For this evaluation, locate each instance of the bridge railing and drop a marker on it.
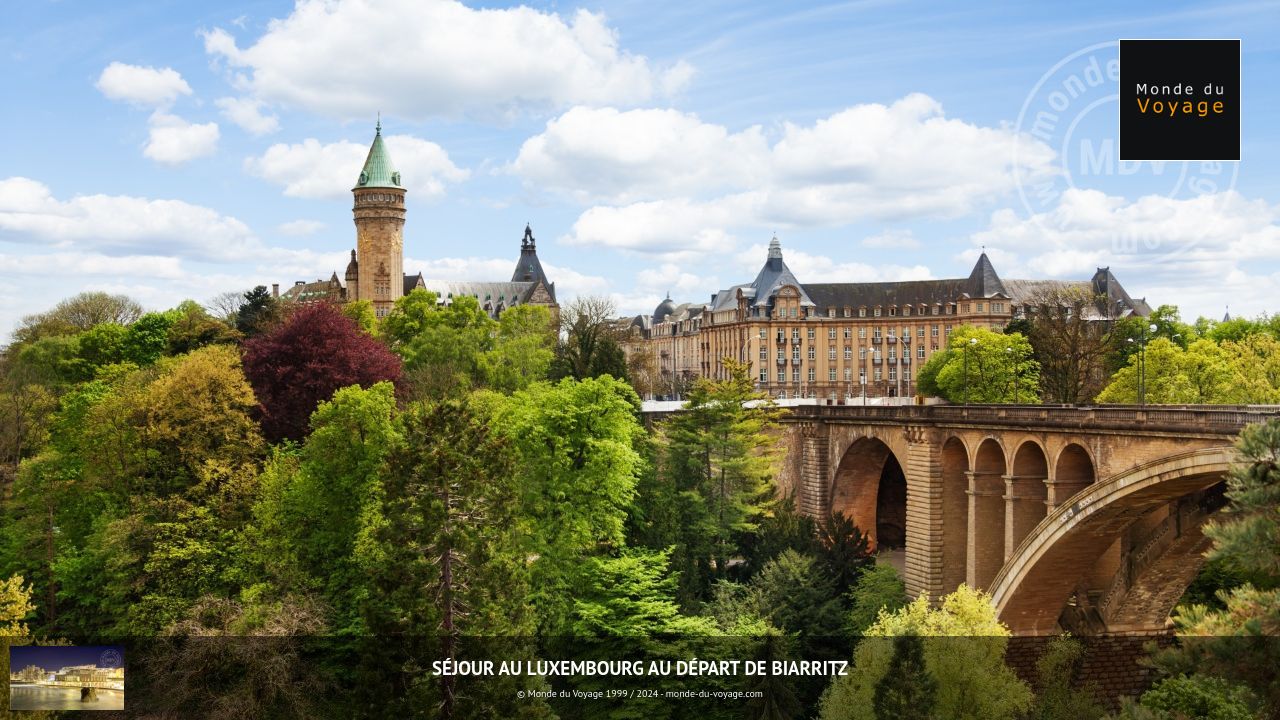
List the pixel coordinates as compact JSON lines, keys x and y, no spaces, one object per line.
{"x":1211,"y":418}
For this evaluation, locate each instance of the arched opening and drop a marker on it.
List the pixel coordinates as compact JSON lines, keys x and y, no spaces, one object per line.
{"x":871,"y":489}
{"x":1026,"y":495}
{"x":986,"y":514}
{"x":955,"y":513}
{"x":1071,"y":473}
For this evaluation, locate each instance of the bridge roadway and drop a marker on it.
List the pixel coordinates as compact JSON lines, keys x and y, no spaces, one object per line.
{"x":1079,"y":518}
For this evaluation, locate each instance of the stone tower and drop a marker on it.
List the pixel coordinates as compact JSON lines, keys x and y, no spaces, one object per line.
{"x":378,"y":265}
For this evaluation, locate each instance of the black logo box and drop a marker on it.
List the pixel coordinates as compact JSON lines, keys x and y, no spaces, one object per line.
{"x":1160,"y":77}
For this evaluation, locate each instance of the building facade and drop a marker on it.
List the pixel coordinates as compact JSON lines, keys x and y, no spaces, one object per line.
{"x":376,"y":270}
{"x":835,"y":340}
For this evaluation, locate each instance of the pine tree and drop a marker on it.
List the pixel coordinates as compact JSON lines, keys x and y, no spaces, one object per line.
{"x":720,"y":458}
{"x":907,"y":689}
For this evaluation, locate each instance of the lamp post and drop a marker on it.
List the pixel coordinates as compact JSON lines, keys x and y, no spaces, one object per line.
{"x":972,"y":342}
{"x":1142,"y":362}
{"x":1013,"y":374}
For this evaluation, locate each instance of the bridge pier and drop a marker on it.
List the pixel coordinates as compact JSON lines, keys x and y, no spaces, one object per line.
{"x":926,"y":524}
{"x":986,"y":526}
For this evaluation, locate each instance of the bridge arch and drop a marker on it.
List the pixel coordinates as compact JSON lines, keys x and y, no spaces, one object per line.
{"x":955,"y":512}
{"x":870,"y":488}
{"x":1073,"y":470}
{"x":1026,"y":493}
{"x":986,"y":512}
{"x":1033,"y":587}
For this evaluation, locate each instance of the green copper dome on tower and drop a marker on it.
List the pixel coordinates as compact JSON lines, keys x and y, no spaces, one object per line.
{"x":378,"y":171}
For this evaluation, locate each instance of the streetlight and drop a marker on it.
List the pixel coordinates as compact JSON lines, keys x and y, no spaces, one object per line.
{"x":1013,"y":375}
{"x":972,"y":342}
{"x":1142,"y":362}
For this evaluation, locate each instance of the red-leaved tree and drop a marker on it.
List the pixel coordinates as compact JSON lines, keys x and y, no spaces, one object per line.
{"x":301,"y":362}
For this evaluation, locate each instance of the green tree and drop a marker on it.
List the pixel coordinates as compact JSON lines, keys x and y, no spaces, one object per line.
{"x":575,"y":476}
{"x":843,"y":551}
{"x":147,"y":338}
{"x":878,"y":589}
{"x":257,"y":311}
{"x":192,"y":328}
{"x":442,"y":345}
{"x":78,"y":313}
{"x":796,"y":595}
{"x":964,"y":647}
{"x":590,"y":347}
{"x":982,"y":366}
{"x":522,"y":349}
{"x":1237,"y":643}
{"x":1255,"y":367}
{"x":361,"y":311}
{"x":907,"y":689}
{"x":630,"y":595}
{"x":1055,"y":698}
{"x":1196,"y":698}
{"x":101,"y":345}
{"x":720,"y":458}
{"x":1166,"y":377}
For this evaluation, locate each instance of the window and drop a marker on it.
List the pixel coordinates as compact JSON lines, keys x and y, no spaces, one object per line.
{"x":893,"y":354}
{"x":831,"y":312}
{"x":948,"y":333}
{"x":979,"y":307}
{"x":920,"y":331}
{"x":877,"y":312}
{"x":795,"y":375}
{"x":966,"y":308}
{"x":811,"y":333}
{"x":893,"y":374}
{"x":920,"y":351}
{"x":935,"y":347}
{"x":906,"y":375}
{"x":793,"y":311}
{"x":795,"y":334}
{"x":831,"y":353}
{"x":893,"y":310}
{"x":848,"y":353}
{"x":782,"y":376}
{"x":848,"y":333}
{"x":879,"y":375}
{"x":795,"y":353}
{"x":934,"y":331}
{"x":875,"y":334}
{"x":862,"y":333}
{"x":813,"y":352}
{"x":764,"y":353}
{"x":862,"y":353}
{"x":812,"y":375}
{"x":831,"y":375}
{"x":997,"y":307}
{"x":862,"y":376}
{"x":848,"y":373}
{"x":862,"y":312}
{"x":831,"y":333}
{"x":764,"y":375}
{"x":764,"y":334}
{"x":906,"y":310}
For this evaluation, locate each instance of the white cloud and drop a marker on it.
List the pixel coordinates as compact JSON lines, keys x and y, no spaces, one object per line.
{"x":248,"y":114}
{"x":142,"y":85}
{"x":619,"y":157}
{"x":118,"y":224}
{"x":674,"y":279}
{"x":300,"y":227}
{"x":97,"y":264}
{"x":810,"y":268}
{"x":672,"y":230}
{"x":174,"y":141}
{"x":665,"y":179}
{"x":347,"y":58}
{"x":1199,"y":252}
{"x":892,"y":240}
{"x":313,"y":170}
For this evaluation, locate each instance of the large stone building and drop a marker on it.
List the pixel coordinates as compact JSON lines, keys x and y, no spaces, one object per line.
{"x":376,"y":271}
{"x":836,"y":340}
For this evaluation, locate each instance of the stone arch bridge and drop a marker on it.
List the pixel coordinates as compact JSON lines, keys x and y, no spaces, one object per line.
{"x":1086,"y":519}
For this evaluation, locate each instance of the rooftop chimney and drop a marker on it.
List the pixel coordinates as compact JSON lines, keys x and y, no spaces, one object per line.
{"x":275,"y":289}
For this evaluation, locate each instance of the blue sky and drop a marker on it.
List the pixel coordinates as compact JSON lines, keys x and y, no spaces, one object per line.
{"x":170,"y":150}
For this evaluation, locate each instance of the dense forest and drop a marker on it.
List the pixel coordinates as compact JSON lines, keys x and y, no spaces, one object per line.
{"x":290,"y":511}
